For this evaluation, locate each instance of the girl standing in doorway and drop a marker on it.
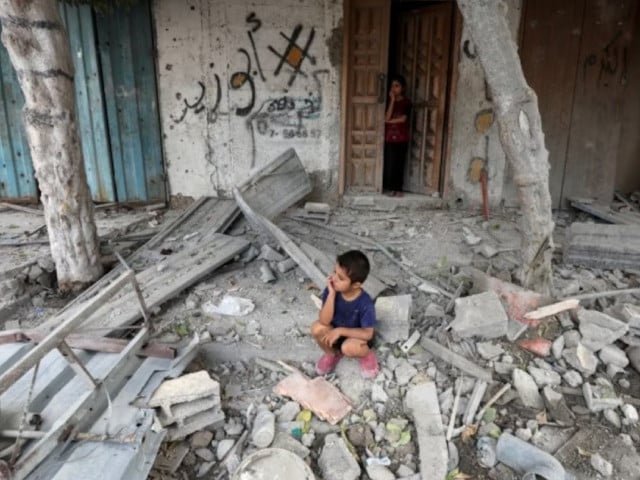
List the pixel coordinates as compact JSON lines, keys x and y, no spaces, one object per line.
{"x":396,"y":136}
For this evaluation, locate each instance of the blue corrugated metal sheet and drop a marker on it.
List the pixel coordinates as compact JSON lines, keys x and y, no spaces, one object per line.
{"x":17,"y":180}
{"x":90,"y":101}
{"x":125,"y":43}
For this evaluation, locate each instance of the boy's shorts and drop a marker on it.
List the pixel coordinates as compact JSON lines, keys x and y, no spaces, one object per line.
{"x":337,"y":346}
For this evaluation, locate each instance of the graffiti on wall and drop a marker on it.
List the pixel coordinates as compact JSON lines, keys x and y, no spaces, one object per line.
{"x":610,"y":62}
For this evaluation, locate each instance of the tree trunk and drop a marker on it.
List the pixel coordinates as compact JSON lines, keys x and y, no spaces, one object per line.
{"x":38,"y":45}
{"x":518,"y":116}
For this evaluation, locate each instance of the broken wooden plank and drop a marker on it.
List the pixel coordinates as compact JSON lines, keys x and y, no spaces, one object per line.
{"x":20,"y":208}
{"x":458,"y":361}
{"x":553,"y":309}
{"x":604,"y":212}
{"x":372,"y":285}
{"x":602,"y":246}
{"x":288,"y":245}
{"x":90,"y":343}
{"x":160,"y":283}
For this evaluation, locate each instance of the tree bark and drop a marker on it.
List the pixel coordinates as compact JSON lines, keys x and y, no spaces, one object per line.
{"x":518,"y":116}
{"x":38,"y":45}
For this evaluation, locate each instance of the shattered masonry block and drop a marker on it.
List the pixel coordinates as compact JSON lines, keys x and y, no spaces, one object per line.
{"x":421,"y":401}
{"x":286,"y":265}
{"x":182,"y":411}
{"x":316,"y":207}
{"x":393,"y":315}
{"x":209,"y":418}
{"x":336,"y":462}
{"x":186,"y":388}
{"x":599,"y":329}
{"x":270,"y":254}
{"x":481,"y":315}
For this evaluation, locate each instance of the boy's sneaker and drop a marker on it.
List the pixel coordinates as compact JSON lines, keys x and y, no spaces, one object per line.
{"x":327,"y":363}
{"x":369,"y":365}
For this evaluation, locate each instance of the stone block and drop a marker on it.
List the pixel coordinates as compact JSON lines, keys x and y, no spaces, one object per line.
{"x":270,"y":254}
{"x":421,"y":401}
{"x":544,"y":377}
{"x":612,"y":355}
{"x":186,"y":388}
{"x":527,"y":389}
{"x":393,"y":315}
{"x":209,"y":418}
{"x":336,"y":462}
{"x":181,"y":411}
{"x":286,"y":265}
{"x":581,"y":358}
{"x":599,"y":329}
{"x":481,"y":315}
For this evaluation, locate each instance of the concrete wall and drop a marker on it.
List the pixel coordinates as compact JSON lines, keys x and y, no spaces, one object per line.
{"x":240,"y":82}
{"x":475,"y":137}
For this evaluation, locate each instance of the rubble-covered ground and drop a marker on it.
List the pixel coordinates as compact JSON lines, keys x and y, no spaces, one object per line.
{"x":577,"y":401}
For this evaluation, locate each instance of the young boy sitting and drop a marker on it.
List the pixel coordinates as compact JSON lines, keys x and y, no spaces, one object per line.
{"x":347,"y":317}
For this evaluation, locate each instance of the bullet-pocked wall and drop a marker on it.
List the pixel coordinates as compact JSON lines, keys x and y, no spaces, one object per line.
{"x":240,"y":82}
{"x":475,"y":143}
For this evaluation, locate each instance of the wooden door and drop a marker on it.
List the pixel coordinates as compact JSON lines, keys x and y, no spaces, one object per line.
{"x":368,"y":37}
{"x":575,"y":57}
{"x":424,"y":62}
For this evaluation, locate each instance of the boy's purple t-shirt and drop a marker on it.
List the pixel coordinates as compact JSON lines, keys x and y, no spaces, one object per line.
{"x":358,"y":313}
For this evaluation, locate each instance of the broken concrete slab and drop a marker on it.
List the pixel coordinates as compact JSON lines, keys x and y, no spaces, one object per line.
{"x":317,"y":395}
{"x":599,"y":329}
{"x":393,"y":316}
{"x":458,"y":361}
{"x":186,"y":388}
{"x":336,"y":462}
{"x":596,"y":245}
{"x":480,"y":315}
{"x":182,"y":411}
{"x":421,"y":401}
{"x":527,"y":389}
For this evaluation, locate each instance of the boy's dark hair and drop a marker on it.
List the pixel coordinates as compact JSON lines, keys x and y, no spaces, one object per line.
{"x":356,"y":265}
{"x":400,"y":79}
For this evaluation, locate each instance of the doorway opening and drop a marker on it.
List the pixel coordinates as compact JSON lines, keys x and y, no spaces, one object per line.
{"x":415,"y":39}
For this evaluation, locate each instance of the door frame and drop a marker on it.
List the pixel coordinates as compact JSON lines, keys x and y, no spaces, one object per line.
{"x":456,"y":34}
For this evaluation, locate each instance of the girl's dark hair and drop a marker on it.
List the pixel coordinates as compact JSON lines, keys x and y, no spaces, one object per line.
{"x":400,"y":79}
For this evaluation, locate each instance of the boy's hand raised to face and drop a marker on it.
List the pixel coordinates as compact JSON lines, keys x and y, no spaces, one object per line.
{"x":330,"y":286}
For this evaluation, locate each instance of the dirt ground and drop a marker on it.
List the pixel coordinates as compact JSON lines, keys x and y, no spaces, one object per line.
{"x":433,"y":244}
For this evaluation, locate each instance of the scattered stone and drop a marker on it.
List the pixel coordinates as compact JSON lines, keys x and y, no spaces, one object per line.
{"x":223,"y":447}
{"x":544,"y":377}
{"x":600,"y":465}
{"x":527,"y":389}
{"x":286,"y":265}
{"x":631,"y":314}
{"x":557,"y":407}
{"x":393,"y":316}
{"x":524,"y":434}
{"x":489,"y":350}
{"x":266,"y":274}
{"x":571,"y":338}
{"x":480,"y":315}
{"x":378,"y":393}
{"x":557,"y":346}
{"x":251,"y":253}
{"x":573,"y":378}
{"x":308,"y":439}
{"x":630,"y":414}
{"x":489,"y":430}
{"x":612,"y":355}
{"x":599,"y":329}
{"x":288,"y":412}
{"x":633,"y":354}
{"x":335,"y":461}
{"x":379,"y":472}
{"x":287,"y":442}
{"x":201,"y":439}
{"x":600,"y":396}
{"x":270,"y":254}
{"x":205,"y":454}
{"x":581,"y":358}
{"x":186,"y":388}
{"x":613,"y":418}
{"x":470,"y":238}
{"x":404,"y":372}
{"x":487,"y":251}
{"x":487,"y":456}
{"x":550,"y":439}
{"x":624,"y":383}
{"x":263,"y":427}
